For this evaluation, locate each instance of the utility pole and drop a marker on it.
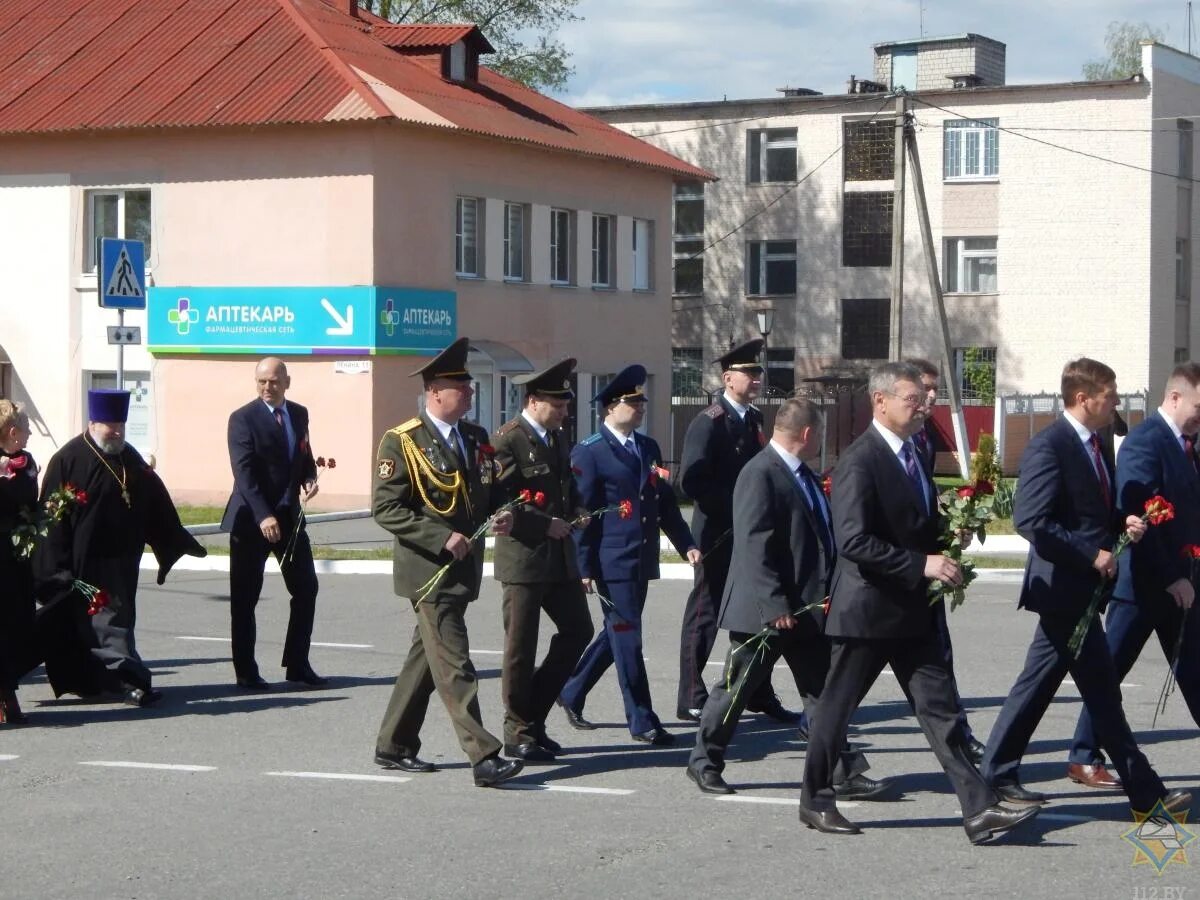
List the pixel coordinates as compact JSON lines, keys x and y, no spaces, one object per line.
{"x":935,"y":291}
{"x":896,"y":309}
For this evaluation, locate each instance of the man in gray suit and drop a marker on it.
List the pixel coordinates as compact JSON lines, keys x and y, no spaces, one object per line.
{"x":782,"y":559}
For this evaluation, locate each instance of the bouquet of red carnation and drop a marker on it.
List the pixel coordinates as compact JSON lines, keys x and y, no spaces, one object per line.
{"x":1155,"y":511}
{"x":97,"y":598}
{"x":35,"y":523}
{"x":966,"y":512}
{"x":290,"y":550}
{"x":1192,"y":554}
{"x":623,"y":509}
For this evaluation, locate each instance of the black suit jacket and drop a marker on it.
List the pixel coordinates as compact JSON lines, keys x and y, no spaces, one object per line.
{"x":883,"y":534}
{"x":265,"y":481}
{"x":780,"y":560}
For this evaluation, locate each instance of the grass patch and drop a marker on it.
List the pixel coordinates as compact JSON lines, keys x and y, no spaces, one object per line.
{"x":199,"y":515}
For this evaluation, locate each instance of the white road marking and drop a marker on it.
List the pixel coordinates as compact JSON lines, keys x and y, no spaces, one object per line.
{"x":489,"y":652}
{"x":233,"y":698}
{"x":195,"y":637}
{"x":780,"y":801}
{"x":1065,"y":817}
{"x":8,"y":757}
{"x":341,"y":776}
{"x":125,"y":764}
{"x":568,"y":789}
{"x":225,"y":640}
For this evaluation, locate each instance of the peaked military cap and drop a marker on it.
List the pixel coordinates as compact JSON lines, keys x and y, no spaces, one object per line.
{"x":450,"y":363}
{"x":744,"y":357}
{"x":626,"y":385}
{"x":553,"y":381}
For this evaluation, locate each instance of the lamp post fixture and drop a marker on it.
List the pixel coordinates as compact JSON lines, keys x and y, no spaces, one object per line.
{"x":766,"y":320}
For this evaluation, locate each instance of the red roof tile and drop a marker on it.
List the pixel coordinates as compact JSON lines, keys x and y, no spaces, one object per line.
{"x":102,"y":64}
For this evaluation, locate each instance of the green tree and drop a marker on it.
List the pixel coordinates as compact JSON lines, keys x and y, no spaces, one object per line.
{"x":522,"y":31}
{"x":1122,"y":42}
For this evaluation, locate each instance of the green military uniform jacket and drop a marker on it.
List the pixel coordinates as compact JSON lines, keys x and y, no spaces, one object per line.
{"x":526,"y":463}
{"x":422,"y":496}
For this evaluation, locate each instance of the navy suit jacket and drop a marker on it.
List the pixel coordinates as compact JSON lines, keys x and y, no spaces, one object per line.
{"x":265,"y":481}
{"x":616,"y":549}
{"x":1153,"y":462}
{"x":780,"y":562}
{"x":1059,"y":509}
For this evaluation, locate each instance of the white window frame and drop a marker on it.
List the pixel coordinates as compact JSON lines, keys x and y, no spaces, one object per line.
{"x":642,"y":250}
{"x":957,"y":257}
{"x":561,"y":239}
{"x":89,"y":243}
{"x":757,"y":138}
{"x":602,"y":250}
{"x":971,"y":150}
{"x":516,"y":265}
{"x":763,"y":259}
{"x":463,"y":239}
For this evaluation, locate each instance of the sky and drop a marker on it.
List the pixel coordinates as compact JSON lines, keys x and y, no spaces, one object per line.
{"x":651,"y":51}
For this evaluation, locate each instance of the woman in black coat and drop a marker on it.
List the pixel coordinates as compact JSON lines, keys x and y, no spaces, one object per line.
{"x":18,"y":492}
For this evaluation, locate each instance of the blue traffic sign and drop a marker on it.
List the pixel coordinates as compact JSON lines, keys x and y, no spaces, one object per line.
{"x":121,"y":280}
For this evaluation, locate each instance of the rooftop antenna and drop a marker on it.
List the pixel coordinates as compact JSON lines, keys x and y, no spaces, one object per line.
{"x":921,"y":7}
{"x":1189,"y":26}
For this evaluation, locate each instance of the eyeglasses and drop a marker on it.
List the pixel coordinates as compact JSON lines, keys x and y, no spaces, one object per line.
{"x":909,"y":399}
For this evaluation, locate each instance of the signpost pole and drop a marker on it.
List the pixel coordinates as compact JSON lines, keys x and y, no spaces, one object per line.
{"x":120,"y":352}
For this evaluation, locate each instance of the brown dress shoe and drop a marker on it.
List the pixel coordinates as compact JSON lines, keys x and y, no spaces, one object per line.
{"x":1092,"y":776}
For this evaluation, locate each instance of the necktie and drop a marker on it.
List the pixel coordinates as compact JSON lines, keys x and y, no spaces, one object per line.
{"x":279,"y":417}
{"x":921,"y":442}
{"x":552,"y":440}
{"x":909,"y":457}
{"x":809,"y":481}
{"x":1189,"y":449}
{"x":1101,"y":469}
{"x":456,"y":447}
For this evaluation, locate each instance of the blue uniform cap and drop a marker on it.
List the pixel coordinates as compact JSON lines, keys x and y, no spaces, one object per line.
{"x":108,"y":406}
{"x":626,"y":384}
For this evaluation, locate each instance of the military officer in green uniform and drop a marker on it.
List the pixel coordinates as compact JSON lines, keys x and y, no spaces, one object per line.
{"x":435,"y":485}
{"x":536,"y":562}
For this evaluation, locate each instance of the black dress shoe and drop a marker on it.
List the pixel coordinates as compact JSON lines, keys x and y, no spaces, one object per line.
{"x":691,"y":714}
{"x":545,"y":741}
{"x":530,"y":751}
{"x":576,"y":720}
{"x":975,"y":750}
{"x":995,"y":821}
{"x":254,"y":683}
{"x":494,"y":770}
{"x":1015,"y":792}
{"x":710,"y":781}
{"x":828,"y":821}
{"x":403,"y":763}
{"x":773,"y":709}
{"x":140,"y":697}
{"x":307,"y":676}
{"x":860,"y":787}
{"x":656,"y":736}
{"x":1177,"y":801}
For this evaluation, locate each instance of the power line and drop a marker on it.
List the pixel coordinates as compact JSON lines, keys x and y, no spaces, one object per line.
{"x":983,"y":123}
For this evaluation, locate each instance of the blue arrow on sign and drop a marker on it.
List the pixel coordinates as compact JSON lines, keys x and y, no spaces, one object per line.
{"x":122,"y":277}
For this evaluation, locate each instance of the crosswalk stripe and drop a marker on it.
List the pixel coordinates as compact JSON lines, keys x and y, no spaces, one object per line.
{"x":341,"y":776}
{"x":126,"y":764}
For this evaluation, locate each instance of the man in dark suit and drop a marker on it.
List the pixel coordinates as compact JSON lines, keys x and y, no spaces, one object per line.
{"x":927,"y":442}
{"x":536,"y":562}
{"x":719,"y":442}
{"x":619,"y":556}
{"x":782,"y":560}
{"x":1154,"y":589}
{"x":886,"y":526}
{"x":272,"y":461}
{"x":435,"y":486}
{"x":1065,"y":508}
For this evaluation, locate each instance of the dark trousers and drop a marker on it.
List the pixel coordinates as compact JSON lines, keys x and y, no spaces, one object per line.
{"x":943,"y":632}
{"x":16,"y":617}
{"x":114,"y":646}
{"x":918,"y":664}
{"x":248,"y":552}
{"x":620,"y":642}
{"x":1046,"y":664}
{"x":1128,"y":626}
{"x":439,"y":658}
{"x":746,"y":667}
{"x":698,"y":635}
{"x":529,"y":690}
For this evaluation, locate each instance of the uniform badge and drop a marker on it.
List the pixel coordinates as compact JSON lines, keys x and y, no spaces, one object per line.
{"x":532,"y":454}
{"x":435,"y":459}
{"x":387,"y":468}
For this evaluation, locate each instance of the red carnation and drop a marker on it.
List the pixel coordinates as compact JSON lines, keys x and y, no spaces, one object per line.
{"x":827,"y":484}
{"x":1159,"y":510}
{"x":332,"y":463}
{"x":625,"y":509}
{"x":966,"y":491}
{"x":1192,"y":551}
{"x":984,"y":487}
{"x":320,"y":462}
{"x":825,"y":606}
{"x":487,"y":449}
{"x":526,"y":495}
{"x":539,"y":499}
{"x":81,"y":497}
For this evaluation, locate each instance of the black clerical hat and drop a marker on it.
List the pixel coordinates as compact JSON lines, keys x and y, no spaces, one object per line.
{"x":450,"y":363}
{"x":108,"y":406}
{"x":553,"y":381}
{"x":744,"y":357}
{"x":626,"y":385}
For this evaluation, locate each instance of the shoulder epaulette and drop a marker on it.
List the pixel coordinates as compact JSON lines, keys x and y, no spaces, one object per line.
{"x":590,"y":439}
{"x":507,"y":427}
{"x":713,"y":412}
{"x":414,"y":422}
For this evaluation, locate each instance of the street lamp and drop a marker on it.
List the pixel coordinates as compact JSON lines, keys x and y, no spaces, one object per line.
{"x":766,"y":320}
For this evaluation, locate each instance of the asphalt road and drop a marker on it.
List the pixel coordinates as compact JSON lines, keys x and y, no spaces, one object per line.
{"x":281,"y":798}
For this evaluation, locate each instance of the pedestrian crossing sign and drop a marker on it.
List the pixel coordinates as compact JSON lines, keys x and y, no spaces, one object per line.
{"x":121,"y":281}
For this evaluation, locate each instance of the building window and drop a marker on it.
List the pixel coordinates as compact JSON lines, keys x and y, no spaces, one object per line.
{"x":866,"y":323}
{"x":971,"y":265}
{"x":971,"y":148}
{"x":867,"y":228}
{"x":560,"y":246}
{"x":117,"y":214}
{"x":602,"y":227}
{"x":689,"y":267}
{"x":688,"y":234}
{"x":781,"y":370}
{"x":689,"y":209}
{"x":687,"y":371}
{"x":466,"y":236}
{"x":870,"y":151}
{"x":976,"y":371}
{"x":514,"y":241}
{"x":641,"y":255}
{"x":770,"y":267}
{"x":771,"y":155}
{"x":458,"y":61}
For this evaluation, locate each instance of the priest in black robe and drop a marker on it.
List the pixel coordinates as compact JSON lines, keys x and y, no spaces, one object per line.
{"x":100,"y":544}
